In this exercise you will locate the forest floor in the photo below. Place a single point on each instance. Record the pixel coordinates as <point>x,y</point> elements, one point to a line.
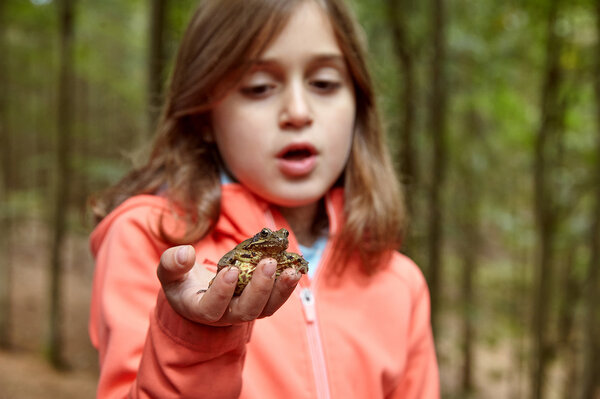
<point>25,374</point>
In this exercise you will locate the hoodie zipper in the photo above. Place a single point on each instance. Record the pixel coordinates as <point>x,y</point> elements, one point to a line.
<point>315,344</point>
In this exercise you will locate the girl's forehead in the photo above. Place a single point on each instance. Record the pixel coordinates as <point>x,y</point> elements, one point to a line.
<point>308,30</point>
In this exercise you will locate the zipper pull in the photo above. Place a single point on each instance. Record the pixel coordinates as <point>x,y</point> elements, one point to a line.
<point>308,304</point>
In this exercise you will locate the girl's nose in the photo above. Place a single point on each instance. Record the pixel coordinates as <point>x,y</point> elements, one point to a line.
<point>295,111</point>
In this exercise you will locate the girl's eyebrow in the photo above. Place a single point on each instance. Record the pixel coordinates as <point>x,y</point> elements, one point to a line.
<point>317,59</point>
<point>330,58</point>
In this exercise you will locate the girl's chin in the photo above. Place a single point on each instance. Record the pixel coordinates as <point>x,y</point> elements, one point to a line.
<point>286,192</point>
<point>294,199</point>
<point>294,202</point>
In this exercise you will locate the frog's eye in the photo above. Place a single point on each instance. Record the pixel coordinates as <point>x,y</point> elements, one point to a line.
<point>285,233</point>
<point>264,232</point>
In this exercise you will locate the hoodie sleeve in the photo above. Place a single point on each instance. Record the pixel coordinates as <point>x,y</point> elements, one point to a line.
<point>421,377</point>
<point>182,359</point>
<point>146,350</point>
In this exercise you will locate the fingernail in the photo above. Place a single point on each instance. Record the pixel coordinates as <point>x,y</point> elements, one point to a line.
<point>269,268</point>
<point>182,255</point>
<point>231,275</point>
<point>293,276</point>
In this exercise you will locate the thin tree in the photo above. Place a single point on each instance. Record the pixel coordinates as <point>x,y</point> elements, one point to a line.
<point>470,242</point>
<point>570,287</point>
<point>156,59</point>
<point>5,184</point>
<point>591,369</point>
<point>404,52</point>
<point>63,175</point>
<point>437,127</point>
<point>547,147</point>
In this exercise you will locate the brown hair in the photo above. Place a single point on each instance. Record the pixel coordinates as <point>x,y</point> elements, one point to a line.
<point>220,38</point>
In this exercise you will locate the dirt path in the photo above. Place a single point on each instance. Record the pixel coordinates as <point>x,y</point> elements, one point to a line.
<point>24,373</point>
<point>26,376</point>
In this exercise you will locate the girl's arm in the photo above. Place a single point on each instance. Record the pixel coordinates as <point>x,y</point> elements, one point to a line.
<point>124,294</point>
<point>185,358</point>
<point>421,377</point>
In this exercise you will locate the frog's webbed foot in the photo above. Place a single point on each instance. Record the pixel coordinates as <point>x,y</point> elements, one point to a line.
<point>295,261</point>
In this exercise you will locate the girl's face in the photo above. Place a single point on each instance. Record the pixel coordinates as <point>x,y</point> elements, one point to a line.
<point>285,132</point>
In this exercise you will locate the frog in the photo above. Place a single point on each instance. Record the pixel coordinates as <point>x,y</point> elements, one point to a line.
<point>264,244</point>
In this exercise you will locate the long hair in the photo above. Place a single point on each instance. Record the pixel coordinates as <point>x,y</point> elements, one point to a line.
<point>212,58</point>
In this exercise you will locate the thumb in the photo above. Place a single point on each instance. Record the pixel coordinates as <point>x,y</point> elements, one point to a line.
<point>174,264</point>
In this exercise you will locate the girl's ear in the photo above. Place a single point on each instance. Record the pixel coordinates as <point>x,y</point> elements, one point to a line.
<point>207,135</point>
<point>202,125</point>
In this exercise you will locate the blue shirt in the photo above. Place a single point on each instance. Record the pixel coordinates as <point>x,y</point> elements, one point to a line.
<point>314,253</point>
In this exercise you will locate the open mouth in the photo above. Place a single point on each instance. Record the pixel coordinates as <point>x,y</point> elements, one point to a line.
<point>297,154</point>
<point>297,160</point>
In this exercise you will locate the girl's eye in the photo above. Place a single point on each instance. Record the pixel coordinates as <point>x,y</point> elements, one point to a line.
<point>327,79</point>
<point>257,91</point>
<point>326,86</point>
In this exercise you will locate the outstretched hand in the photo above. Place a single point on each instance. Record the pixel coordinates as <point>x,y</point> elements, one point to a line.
<point>184,284</point>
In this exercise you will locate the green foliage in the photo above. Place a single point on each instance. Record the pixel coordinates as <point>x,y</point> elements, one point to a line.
<point>111,48</point>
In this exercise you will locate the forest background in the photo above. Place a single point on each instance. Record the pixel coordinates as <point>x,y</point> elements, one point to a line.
<point>493,114</point>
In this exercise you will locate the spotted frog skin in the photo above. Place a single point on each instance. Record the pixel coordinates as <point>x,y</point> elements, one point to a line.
<point>265,244</point>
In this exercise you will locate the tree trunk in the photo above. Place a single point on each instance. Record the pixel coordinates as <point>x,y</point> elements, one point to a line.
<point>470,242</point>
<point>82,143</point>
<point>404,55</point>
<point>437,127</point>
<point>546,146</point>
<point>571,289</point>
<point>156,60</point>
<point>591,368</point>
<point>5,186</point>
<point>63,171</point>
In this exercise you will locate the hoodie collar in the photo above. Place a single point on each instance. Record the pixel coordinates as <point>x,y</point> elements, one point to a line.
<point>242,214</point>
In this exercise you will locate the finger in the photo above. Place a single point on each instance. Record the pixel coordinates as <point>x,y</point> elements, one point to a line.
<point>283,288</point>
<point>256,294</point>
<point>174,264</point>
<point>215,302</point>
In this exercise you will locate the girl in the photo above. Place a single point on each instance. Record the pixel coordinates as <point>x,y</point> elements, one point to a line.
<point>270,122</point>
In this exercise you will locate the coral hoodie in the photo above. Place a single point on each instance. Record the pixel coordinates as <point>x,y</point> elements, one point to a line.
<point>352,336</point>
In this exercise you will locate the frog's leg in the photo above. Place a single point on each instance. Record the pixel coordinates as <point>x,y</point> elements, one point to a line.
<point>297,262</point>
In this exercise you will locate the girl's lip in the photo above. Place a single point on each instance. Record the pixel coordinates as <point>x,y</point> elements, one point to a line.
<point>297,160</point>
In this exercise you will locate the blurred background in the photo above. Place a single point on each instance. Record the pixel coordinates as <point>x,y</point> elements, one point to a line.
<point>493,114</point>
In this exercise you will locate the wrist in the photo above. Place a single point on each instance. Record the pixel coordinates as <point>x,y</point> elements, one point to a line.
<point>199,336</point>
